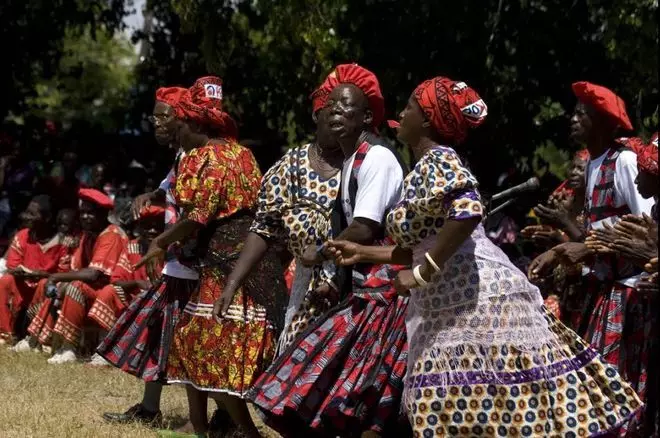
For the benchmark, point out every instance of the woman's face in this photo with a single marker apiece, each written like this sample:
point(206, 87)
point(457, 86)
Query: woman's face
point(412, 121)
point(576, 174)
point(150, 228)
point(163, 121)
point(647, 184)
point(66, 222)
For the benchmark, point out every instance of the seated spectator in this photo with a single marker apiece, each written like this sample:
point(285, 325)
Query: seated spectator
point(91, 267)
point(36, 252)
point(125, 281)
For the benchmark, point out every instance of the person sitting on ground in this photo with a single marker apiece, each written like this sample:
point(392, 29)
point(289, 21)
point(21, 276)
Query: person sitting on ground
point(36, 252)
point(91, 267)
point(126, 282)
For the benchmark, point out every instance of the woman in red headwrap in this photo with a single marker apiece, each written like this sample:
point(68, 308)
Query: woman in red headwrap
point(216, 191)
point(485, 357)
point(91, 267)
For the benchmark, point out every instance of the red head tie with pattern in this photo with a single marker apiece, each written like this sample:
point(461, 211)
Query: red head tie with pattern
point(361, 78)
point(451, 107)
point(202, 104)
point(604, 101)
point(582, 155)
point(647, 158)
point(96, 197)
point(170, 95)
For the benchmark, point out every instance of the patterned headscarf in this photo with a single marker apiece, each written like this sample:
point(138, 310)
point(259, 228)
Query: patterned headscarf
point(635, 144)
point(170, 95)
point(202, 104)
point(647, 158)
point(604, 101)
point(451, 107)
point(582, 154)
point(361, 78)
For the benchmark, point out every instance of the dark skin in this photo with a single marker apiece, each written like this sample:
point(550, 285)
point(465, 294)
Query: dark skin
point(592, 130)
point(330, 157)
point(148, 228)
point(165, 127)
point(66, 222)
point(561, 213)
point(98, 176)
point(93, 220)
point(190, 136)
point(41, 230)
point(417, 133)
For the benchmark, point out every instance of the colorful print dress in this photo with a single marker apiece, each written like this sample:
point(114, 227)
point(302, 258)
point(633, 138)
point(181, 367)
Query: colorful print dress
point(295, 204)
point(486, 359)
point(217, 186)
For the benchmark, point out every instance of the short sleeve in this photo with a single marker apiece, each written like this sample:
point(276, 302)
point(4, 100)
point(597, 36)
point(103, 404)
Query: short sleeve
point(379, 182)
point(624, 183)
point(272, 196)
point(107, 250)
point(455, 187)
point(199, 185)
point(16, 251)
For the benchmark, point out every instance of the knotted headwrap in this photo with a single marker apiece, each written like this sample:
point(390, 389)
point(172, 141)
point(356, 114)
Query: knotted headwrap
point(582, 154)
point(647, 158)
point(604, 101)
point(361, 78)
point(96, 197)
point(202, 104)
point(635, 144)
point(451, 107)
point(170, 95)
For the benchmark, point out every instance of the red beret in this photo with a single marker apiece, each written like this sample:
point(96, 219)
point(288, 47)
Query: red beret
point(152, 211)
point(361, 78)
point(96, 197)
point(604, 101)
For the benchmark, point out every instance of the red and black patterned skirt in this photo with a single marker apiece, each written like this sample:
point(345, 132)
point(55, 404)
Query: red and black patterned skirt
point(140, 341)
point(343, 376)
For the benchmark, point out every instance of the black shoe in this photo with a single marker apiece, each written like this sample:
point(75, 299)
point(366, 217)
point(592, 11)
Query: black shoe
point(221, 422)
point(135, 414)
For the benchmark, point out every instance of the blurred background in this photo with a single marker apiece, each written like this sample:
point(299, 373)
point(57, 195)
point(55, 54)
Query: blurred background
point(77, 79)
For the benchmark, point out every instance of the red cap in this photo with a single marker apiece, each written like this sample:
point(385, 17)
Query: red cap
point(96, 197)
point(152, 211)
point(604, 101)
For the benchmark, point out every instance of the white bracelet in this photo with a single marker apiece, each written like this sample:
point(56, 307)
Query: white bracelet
point(418, 277)
point(432, 262)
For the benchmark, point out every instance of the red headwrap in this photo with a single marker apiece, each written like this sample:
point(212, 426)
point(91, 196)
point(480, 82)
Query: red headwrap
point(604, 101)
point(203, 104)
point(361, 78)
point(635, 144)
point(96, 197)
point(170, 95)
point(451, 107)
point(647, 158)
point(152, 211)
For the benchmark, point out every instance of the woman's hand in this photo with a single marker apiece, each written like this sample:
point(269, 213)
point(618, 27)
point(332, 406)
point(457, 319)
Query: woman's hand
point(557, 215)
point(573, 252)
point(154, 256)
point(652, 265)
point(405, 281)
point(140, 203)
point(541, 265)
point(544, 235)
point(326, 294)
point(648, 285)
point(344, 252)
point(221, 305)
point(311, 257)
point(637, 250)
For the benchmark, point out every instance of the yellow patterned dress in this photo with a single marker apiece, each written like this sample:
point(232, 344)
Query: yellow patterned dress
point(486, 358)
point(217, 186)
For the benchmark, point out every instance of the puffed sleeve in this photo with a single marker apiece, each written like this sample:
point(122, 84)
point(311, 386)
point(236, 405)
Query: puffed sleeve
point(273, 195)
point(199, 185)
point(455, 188)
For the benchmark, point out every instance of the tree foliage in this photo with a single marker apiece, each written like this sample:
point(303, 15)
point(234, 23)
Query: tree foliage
point(520, 55)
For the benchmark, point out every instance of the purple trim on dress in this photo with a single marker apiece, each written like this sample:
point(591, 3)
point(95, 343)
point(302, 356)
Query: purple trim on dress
point(503, 378)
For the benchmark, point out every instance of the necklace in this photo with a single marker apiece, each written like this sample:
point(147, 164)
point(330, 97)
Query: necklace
point(322, 167)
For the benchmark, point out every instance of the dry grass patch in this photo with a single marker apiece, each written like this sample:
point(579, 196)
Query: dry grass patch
point(41, 400)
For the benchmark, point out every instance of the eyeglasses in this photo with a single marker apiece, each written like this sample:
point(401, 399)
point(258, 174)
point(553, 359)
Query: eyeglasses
point(159, 118)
